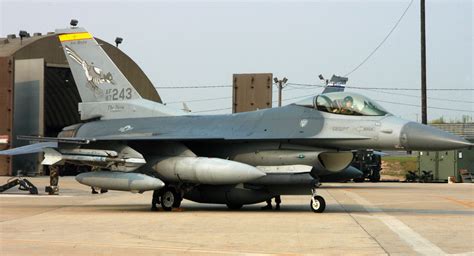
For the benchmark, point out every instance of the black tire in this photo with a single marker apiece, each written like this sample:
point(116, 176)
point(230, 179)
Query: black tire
point(168, 199)
point(234, 206)
point(318, 204)
point(177, 202)
point(375, 177)
point(358, 180)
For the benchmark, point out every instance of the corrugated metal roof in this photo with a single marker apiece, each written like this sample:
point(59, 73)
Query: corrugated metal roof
point(9, 46)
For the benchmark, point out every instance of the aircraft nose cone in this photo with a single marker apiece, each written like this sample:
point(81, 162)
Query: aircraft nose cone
point(415, 136)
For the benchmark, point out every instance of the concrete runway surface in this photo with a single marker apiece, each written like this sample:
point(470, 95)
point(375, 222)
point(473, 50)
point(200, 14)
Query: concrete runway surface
point(360, 219)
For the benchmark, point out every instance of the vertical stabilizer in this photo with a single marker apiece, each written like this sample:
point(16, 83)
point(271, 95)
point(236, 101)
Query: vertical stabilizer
point(97, 77)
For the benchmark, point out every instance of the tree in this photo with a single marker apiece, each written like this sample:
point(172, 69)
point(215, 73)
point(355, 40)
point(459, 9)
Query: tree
point(438, 121)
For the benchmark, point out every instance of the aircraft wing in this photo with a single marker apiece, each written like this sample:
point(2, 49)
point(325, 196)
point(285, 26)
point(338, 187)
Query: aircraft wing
point(51, 142)
point(43, 143)
point(29, 149)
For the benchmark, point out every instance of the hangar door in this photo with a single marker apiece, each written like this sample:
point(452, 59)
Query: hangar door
point(27, 111)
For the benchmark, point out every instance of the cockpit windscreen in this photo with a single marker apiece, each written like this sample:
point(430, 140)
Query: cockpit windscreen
point(344, 103)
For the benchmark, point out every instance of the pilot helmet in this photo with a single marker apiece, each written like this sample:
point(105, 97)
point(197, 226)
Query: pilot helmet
point(348, 98)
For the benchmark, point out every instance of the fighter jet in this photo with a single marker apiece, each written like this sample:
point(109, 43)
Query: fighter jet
point(234, 159)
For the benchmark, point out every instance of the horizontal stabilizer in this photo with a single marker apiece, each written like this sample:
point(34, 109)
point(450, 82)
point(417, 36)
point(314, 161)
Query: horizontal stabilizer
point(29, 149)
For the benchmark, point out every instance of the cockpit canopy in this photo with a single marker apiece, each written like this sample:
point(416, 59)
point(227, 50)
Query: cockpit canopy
point(344, 103)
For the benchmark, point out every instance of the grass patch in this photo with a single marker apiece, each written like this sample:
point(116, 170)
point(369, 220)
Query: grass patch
point(399, 165)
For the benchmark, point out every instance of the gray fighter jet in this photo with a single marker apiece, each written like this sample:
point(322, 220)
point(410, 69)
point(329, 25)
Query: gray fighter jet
point(233, 159)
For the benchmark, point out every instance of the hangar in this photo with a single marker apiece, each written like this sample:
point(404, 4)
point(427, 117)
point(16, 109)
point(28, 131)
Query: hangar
point(38, 95)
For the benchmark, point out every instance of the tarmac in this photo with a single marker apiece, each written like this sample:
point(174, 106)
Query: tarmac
point(360, 219)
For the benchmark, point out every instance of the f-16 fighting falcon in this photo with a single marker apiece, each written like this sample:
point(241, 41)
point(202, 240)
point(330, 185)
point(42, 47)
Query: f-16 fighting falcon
point(235, 159)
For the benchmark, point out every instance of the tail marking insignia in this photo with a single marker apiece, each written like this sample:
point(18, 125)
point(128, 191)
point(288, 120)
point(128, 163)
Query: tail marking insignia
point(95, 76)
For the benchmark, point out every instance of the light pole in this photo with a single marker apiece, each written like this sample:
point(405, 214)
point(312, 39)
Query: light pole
point(118, 40)
point(280, 83)
point(424, 112)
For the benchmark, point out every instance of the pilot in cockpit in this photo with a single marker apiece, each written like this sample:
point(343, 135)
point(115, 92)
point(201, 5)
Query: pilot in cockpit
point(343, 107)
point(344, 104)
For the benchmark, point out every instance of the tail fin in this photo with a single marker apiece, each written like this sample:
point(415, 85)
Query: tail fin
point(97, 77)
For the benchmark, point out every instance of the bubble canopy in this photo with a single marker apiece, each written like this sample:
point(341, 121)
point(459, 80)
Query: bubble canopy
point(344, 103)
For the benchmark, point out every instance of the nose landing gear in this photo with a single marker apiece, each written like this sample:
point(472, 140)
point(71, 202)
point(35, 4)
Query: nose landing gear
point(317, 204)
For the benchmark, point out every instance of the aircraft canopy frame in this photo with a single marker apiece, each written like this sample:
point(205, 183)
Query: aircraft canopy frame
point(344, 103)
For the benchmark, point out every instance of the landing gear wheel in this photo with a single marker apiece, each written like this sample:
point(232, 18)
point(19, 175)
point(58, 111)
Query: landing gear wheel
point(177, 201)
point(169, 199)
point(234, 206)
point(318, 204)
point(375, 178)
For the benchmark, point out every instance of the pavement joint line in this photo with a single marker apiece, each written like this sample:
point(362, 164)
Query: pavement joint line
point(364, 216)
point(467, 203)
point(417, 242)
point(358, 223)
point(34, 196)
point(169, 248)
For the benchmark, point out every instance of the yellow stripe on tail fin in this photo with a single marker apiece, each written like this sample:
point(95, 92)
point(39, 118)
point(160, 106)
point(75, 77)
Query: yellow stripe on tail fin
point(74, 36)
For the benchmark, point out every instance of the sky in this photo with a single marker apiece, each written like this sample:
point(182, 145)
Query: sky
point(202, 43)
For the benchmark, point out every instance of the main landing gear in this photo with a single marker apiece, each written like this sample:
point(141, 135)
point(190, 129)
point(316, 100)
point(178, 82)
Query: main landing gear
point(317, 204)
point(169, 197)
